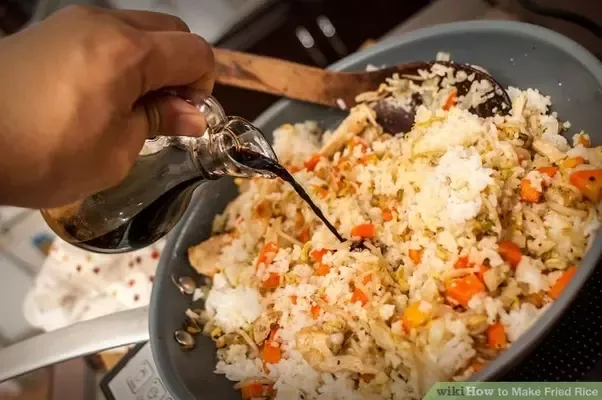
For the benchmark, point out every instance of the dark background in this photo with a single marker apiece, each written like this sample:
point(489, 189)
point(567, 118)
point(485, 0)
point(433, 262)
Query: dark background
point(273, 31)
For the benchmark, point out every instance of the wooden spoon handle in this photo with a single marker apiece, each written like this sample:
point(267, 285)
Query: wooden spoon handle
point(278, 77)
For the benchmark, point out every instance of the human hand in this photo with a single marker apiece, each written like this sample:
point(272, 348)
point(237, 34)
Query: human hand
point(71, 118)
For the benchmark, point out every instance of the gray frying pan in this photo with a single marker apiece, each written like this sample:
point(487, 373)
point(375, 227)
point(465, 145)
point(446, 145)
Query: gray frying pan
point(516, 54)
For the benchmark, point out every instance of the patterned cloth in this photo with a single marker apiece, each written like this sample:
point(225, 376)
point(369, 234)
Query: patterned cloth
point(75, 285)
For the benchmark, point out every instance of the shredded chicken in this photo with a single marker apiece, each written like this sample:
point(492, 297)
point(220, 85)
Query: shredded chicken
point(313, 345)
point(263, 325)
point(316, 348)
point(204, 257)
point(359, 118)
point(548, 150)
point(347, 363)
point(381, 334)
point(249, 342)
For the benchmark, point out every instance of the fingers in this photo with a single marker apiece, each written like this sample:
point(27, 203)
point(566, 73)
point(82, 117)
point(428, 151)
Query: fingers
point(176, 118)
point(136, 131)
point(150, 20)
point(165, 116)
point(178, 59)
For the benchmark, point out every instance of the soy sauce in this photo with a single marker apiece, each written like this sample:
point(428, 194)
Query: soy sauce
point(148, 226)
point(154, 221)
point(260, 162)
point(358, 245)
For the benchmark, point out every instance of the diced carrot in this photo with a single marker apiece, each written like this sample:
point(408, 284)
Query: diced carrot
point(355, 141)
point(510, 252)
point(322, 192)
point(304, 235)
point(583, 140)
point(413, 317)
point(272, 282)
point(367, 159)
point(528, 192)
point(251, 391)
point(293, 169)
point(589, 183)
point(476, 366)
point(267, 253)
point(310, 164)
point(387, 215)
point(549, 171)
point(315, 311)
point(481, 273)
point(364, 231)
point(451, 100)
point(360, 296)
point(321, 269)
point(273, 331)
point(415, 255)
point(271, 354)
point(367, 279)
point(461, 263)
point(557, 288)
point(496, 336)
point(572, 162)
point(462, 289)
point(537, 299)
point(294, 300)
point(367, 377)
point(317, 254)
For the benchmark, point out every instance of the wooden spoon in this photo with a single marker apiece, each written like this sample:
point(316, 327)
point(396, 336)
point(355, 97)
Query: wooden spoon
point(336, 89)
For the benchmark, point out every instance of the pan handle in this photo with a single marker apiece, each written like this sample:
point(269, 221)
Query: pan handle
point(77, 340)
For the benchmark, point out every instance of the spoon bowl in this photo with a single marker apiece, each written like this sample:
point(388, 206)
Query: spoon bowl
point(340, 89)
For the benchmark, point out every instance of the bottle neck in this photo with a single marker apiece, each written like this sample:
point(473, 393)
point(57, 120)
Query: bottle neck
point(213, 151)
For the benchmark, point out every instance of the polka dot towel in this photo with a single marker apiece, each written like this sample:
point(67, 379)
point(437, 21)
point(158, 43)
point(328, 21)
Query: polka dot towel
point(75, 285)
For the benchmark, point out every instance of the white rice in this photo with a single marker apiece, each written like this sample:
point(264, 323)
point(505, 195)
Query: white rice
point(445, 193)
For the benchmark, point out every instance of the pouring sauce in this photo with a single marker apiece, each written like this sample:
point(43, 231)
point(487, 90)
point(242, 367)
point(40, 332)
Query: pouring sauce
point(260, 162)
point(158, 218)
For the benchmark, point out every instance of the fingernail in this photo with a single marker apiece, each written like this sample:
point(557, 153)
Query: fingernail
point(190, 124)
point(183, 107)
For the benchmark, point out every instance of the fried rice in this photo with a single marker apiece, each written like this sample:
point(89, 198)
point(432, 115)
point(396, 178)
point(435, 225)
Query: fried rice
point(472, 227)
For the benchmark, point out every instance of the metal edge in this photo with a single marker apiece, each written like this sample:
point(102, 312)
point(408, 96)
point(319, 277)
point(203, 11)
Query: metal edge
point(167, 376)
point(79, 339)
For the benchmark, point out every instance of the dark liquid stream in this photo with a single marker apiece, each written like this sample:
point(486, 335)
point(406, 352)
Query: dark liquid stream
point(259, 162)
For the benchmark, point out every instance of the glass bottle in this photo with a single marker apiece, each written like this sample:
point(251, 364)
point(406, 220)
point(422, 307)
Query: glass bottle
point(153, 197)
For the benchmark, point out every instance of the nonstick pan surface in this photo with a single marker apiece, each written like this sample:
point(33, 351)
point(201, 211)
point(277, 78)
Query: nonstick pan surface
point(516, 54)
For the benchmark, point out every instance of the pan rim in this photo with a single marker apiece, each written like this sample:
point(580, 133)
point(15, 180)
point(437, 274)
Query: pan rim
point(537, 332)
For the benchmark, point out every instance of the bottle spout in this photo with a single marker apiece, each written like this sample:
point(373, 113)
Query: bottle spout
point(249, 138)
point(238, 137)
point(213, 149)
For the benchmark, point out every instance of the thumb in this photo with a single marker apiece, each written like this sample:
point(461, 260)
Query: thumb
point(176, 117)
